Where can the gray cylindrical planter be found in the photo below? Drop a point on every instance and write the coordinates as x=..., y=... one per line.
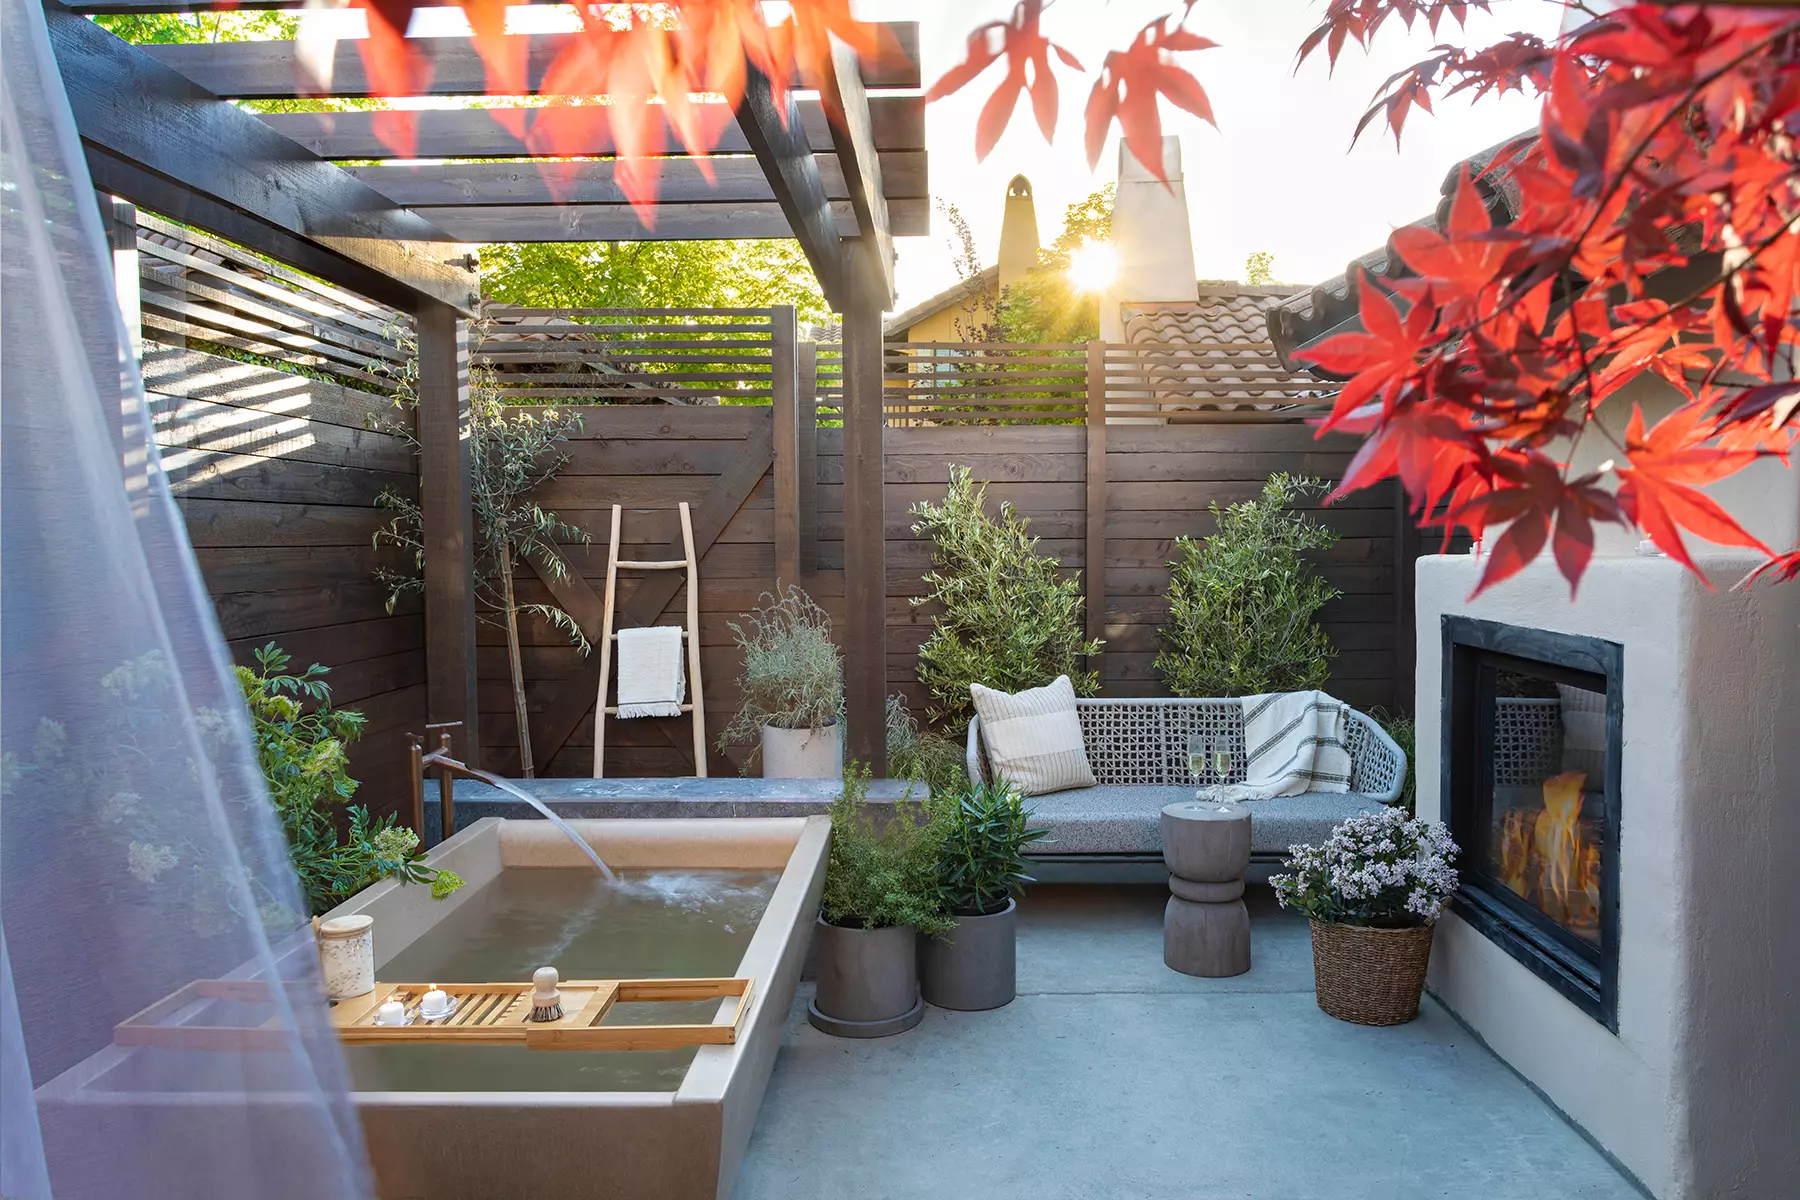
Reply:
x=803, y=753
x=976, y=965
x=868, y=981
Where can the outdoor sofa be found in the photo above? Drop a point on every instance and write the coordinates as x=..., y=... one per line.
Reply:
x=1138, y=752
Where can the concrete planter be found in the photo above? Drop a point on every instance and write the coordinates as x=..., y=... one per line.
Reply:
x=803, y=753
x=975, y=965
x=868, y=981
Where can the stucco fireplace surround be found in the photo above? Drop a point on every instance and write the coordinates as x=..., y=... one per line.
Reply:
x=1683, y=1059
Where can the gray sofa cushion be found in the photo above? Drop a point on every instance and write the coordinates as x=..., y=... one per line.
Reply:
x=1127, y=818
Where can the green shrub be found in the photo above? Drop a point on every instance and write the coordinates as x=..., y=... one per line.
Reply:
x=793, y=673
x=1243, y=603
x=301, y=752
x=921, y=755
x=881, y=874
x=1399, y=726
x=1010, y=619
x=981, y=862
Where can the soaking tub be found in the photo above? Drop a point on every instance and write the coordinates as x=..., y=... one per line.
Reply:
x=736, y=897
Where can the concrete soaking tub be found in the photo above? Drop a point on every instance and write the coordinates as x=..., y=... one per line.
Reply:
x=695, y=897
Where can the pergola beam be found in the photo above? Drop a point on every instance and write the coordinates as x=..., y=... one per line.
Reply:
x=679, y=181
x=620, y=223
x=896, y=122
x=275, y=70
x=153, y=138
x=779, y=141
x=861, y=167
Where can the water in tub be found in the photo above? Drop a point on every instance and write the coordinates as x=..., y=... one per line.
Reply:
x=645, y=924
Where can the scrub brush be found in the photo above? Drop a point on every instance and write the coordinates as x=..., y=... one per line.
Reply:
x=546, y=998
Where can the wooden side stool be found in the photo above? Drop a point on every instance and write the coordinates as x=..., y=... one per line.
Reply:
x=1206, y=928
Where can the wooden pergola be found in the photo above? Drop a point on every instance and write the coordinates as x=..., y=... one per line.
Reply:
x=160, y=132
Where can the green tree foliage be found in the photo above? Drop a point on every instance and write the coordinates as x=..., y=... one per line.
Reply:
x=1243, y=602
x=741, y=274
x=1010, y=618
x=882, y=871
x=1259, y=268
x=300, y=742
x=165, y=29
x=1044, y=306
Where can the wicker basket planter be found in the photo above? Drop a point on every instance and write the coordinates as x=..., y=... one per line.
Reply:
x=1370, y=976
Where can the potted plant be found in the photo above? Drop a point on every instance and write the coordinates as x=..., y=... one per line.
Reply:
x=881, y=892
x=1373, y=889
x=793, y=688
x=981, y=866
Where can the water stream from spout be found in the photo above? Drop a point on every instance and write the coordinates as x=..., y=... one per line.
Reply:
x=555, y=820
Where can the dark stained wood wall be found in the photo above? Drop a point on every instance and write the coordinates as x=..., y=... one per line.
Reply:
x=277, y=476
x=1160, y=480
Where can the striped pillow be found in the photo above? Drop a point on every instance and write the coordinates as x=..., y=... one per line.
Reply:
x=1033, y=737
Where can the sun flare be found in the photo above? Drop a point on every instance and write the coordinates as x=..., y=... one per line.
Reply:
x=1093, y=266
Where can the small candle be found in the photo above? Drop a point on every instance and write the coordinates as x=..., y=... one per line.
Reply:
x=435, y=1004
x=392, y=1012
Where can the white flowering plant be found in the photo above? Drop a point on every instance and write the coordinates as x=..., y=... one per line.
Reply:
x=1380, y=868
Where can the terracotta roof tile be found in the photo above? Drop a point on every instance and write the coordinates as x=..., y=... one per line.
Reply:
x=1224, y=333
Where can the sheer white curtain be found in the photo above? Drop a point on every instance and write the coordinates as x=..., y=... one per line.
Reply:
x=138, y=849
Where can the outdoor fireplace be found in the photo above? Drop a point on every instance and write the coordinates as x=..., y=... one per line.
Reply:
x=1531, y=787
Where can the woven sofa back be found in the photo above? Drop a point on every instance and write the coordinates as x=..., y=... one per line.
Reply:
x=1146, y=742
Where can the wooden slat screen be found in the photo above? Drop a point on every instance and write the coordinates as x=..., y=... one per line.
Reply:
x=628, y=356
x=204, y=293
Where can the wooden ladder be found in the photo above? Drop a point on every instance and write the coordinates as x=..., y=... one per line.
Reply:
x=696, y=701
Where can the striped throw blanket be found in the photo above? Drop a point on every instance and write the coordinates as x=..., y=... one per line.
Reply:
x=1293, y=743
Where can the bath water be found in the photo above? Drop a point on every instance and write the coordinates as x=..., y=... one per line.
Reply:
x=645, y=924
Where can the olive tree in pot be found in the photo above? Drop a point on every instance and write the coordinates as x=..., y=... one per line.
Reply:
x=881, y=892
x=981, y=867
x=793, y=686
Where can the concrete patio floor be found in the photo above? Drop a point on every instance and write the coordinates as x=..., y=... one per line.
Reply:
x=1111, y=1075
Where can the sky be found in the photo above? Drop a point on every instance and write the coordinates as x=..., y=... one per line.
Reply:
x=1278, y=175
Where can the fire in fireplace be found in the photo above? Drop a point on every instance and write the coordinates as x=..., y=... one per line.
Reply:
x=1532, y=724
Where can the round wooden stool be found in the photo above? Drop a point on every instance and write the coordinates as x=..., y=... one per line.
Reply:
x=1206, y=928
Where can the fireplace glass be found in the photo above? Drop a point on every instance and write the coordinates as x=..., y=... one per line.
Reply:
x=1532, y=724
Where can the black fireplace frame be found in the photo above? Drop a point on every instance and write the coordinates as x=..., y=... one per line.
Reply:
x=1588, y=980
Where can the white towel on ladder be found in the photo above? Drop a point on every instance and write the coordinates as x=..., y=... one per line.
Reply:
x=652, y=675
x=1293, y=743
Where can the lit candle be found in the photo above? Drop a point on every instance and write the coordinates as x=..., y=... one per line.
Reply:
x=392, y=1012
x=435, y=1004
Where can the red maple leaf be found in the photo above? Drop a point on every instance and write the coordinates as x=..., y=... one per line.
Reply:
x=1381, y=358
x=1659, y=491
x=1130, y=81
x=1463, y=263
x=1538, y=505
x=1020, y=39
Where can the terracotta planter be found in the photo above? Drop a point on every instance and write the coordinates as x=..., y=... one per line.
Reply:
x=868, y=981
x=803, y=753
x=1370, y=976
x=974, y=966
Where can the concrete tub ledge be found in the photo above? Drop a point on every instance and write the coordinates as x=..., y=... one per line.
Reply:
x=653, y=799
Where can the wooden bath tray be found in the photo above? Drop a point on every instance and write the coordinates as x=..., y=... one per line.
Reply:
x=498, y=1014
x=487, y=1014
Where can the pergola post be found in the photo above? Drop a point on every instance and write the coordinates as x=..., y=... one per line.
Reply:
x=865, y=560
x=449, y=533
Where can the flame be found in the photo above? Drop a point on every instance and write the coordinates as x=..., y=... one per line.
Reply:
x=1547, y=858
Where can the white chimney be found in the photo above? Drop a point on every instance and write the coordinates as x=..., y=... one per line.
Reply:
x=1151, y=239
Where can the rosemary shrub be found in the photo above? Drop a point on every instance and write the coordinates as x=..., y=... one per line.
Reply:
x=793, y=672
x=1243, y=602
x=1010, y=618
x=882, y=873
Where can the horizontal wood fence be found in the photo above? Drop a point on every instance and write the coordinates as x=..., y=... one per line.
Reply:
x=1155, y=482
x=276, y=456
x=636, y=356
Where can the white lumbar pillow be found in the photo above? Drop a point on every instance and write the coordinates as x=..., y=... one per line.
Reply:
x=1033, y=737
